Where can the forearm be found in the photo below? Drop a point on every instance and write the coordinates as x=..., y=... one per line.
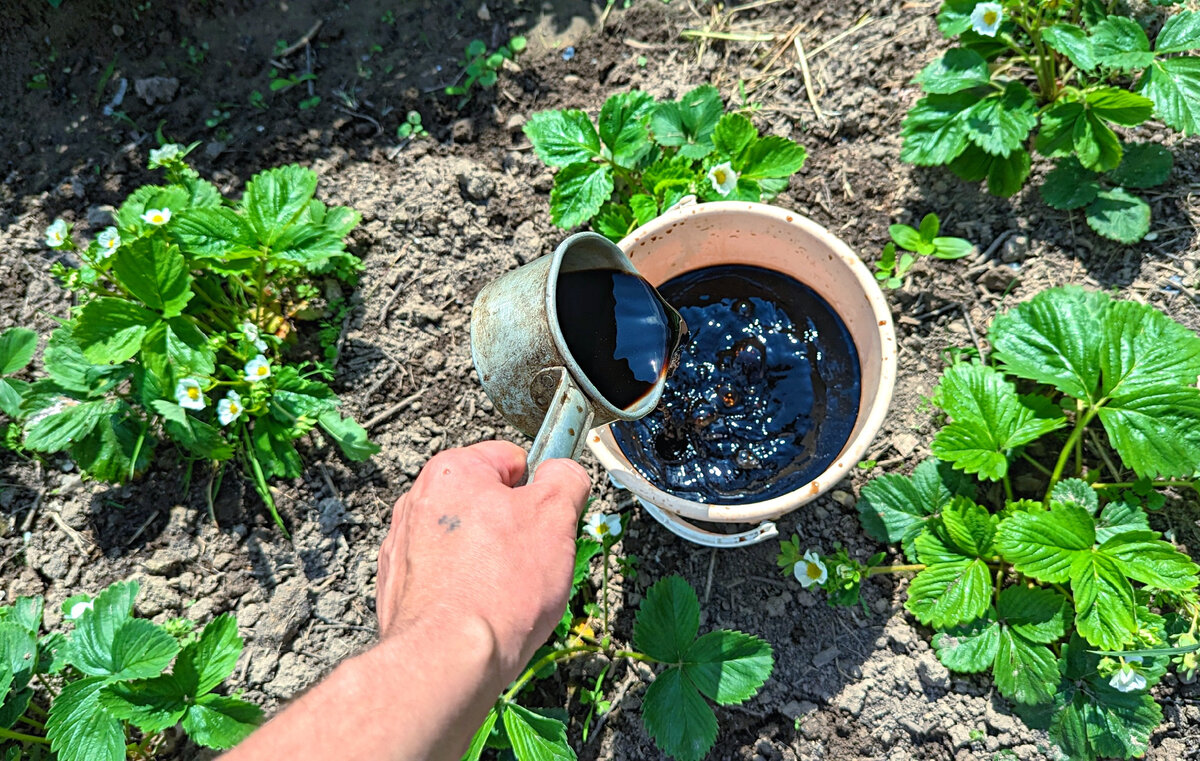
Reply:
x=417, y=695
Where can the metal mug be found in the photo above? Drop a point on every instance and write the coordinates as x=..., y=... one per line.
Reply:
x=523, y=361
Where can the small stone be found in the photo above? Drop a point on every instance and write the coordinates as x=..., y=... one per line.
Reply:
x=825, y=657
x=286, y=612
x=960, y=736
x=433, y=361
x=101, y=215
x=843, y=498
x=932, y=673
x=476, y=186
x=168, y=561
x=156, y=89
x=905, y=443
x=483, y=13
x=881, y=606
x=515, y=122
x=999, y=279
x=462, y=131
x=1014, y=249
x=851, y=699
x=262, y=665
x=795, y=709
x=331, y=513
x=118, y=30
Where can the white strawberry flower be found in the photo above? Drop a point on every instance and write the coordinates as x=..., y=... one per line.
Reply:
x=601, y=527
x=229, y=409
x=1128, y=680
x=986, y=18
x=78, y=609
x=258, y=369
x=157, y=216
x=56, y=234
x=249, y=330
x=189, y=394
x=109, y=240
x=723, y=178
x=260, y=344
x=160, y=156
x=811, y=570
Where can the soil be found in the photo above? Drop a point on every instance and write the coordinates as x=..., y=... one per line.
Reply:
x=444, y=215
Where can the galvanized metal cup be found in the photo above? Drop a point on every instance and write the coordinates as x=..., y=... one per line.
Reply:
x=523, y=361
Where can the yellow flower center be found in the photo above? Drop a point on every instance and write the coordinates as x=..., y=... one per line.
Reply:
x=990, y=17
x=602, y=529
x=261, y=370
x=234, y=409
x=193, y=393
x=719, y=176
x=813, y=571
x=158, y=218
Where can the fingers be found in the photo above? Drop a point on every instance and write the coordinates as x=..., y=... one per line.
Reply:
x=562, y=482
x=505, y=457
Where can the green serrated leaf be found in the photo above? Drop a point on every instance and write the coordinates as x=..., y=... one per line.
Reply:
x=949, y=594
x=1119, y=215
x=175, y=349
x=728, y=667
x=1077, y=492
x=1174, y=86
x=276, y=198
x=1072, y=42
x=1120, y=106
x=579, y=192
x=18, y=654
x=1070, y=185
x=1000, y=123
x=217, y=233
x=1045, y=545
x=154, y=272
x=173, y=197
x=934, y=130
x=1156, y=430
x=1179, y=34
x=198, y=437
x=13, y=706
x=219, y=722
x=644, y=208
x=17, y=346
x=1120, y=517
x=676, y=716
x=139, y=649
x=1096, y=145
x=72, y=423
x=772, y=157
x=970, y=527
x=1104, y=723
x=732, y=135
x=350, y=437
x=1056, y=135
x=970, y=648
x=623, y=127
x=273, y=448
x=79, y=729
x=1143, y=165
x=1025, y=672
x=1104, y=606
x=989, y=420
x=205, y=663
x=958, y=69
x=153, y=705
x=1146, y=558
x=613, y=221
x=1142, y=348
x=534, y=736
x=689, y=122
x=1054, y=338
x=934, y=545
x=1005, y=174
x=894, y=508
x=1037, y=615
x=1120, y=43
x=110, y=330
x=480, y=738
x=668, y=620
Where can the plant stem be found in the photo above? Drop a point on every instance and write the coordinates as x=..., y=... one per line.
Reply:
x=8, y=734
x=1160, y=484
x=53, y=692
x=546, y=660
x=604, y=588
x=1044, y=470
x=261, y=482
x=1080, y=424
x=881, y=569
x=33, y=723
x=1008, y=492
x=38, y=710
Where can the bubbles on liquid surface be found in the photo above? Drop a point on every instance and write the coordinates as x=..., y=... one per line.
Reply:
x=764, y=396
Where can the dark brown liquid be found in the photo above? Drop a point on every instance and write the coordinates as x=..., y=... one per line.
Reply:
x=764, y=397
x=616, y=328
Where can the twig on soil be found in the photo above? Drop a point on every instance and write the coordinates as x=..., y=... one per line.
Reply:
x=614, y=705
x=71, y=533
x=865, y=20
x=971, y=329
x=378, y=126
x=144, y=526
x=303, y=41
x=712, y=562
x=688, y=34
x=808, y=88
x=923, y=316
x=996, y=244
x=327, y=479
x=33, y=511
x=341, y=342
x=382, y=379
x=399, y=406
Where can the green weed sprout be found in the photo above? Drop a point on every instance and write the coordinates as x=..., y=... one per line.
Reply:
x=482, y=68
x=1065, y=593
x=411, y=127
x=1056, y=78
x=107, y=694
x=187, y=306
x=646, y=155
x=914, y=242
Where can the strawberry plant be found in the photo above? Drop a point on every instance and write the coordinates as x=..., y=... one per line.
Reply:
x=923, y=242
x=185, y=311
x=725, y=667
x=1057, y=78
x=100, y=691
x=1064, y=593
x=643, y=156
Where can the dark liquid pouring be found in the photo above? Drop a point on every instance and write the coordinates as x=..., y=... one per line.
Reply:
x=616, y=328
x=764, y=397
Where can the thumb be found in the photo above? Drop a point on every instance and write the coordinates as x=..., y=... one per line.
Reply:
x=561, y=482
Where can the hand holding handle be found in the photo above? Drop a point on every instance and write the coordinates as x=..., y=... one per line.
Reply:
x=567, y=421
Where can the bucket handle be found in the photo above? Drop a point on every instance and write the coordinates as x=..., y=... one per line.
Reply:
x=680, y=527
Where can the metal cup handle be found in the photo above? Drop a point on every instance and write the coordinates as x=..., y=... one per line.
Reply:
x=567, y=421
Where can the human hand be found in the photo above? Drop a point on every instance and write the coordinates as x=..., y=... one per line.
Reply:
x=465, y=545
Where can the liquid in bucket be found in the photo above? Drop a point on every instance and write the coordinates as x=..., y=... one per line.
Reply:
x=765, y=394
x=617, y=330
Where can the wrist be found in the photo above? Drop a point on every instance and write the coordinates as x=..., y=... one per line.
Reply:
x=425, y=647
